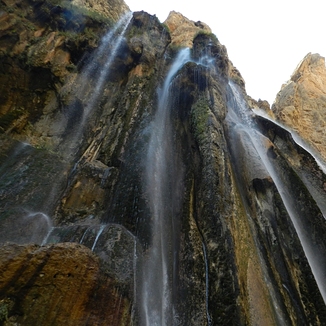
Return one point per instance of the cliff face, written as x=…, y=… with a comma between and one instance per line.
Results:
x=301, y=103
x=137, y=184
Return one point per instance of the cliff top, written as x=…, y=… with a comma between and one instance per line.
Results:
x=184, y=30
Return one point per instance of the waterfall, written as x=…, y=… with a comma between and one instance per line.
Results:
x=97, y=236
x=97, y=70
x=298, y=140
x=310, y=151
x=46, y=238
x=34, y=216
x=104, y=70
x=158, y=267
x=313, y=250
x=105, y=53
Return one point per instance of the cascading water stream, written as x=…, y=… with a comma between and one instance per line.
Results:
x=97, y=70
x=319, y=161
x=46, y=238
x=100, y=74
x=97, y=236
x=158, y=267
x=315, y=257
x=84, y=235
x=105, y=69
x=209, y=320
x=299, y=141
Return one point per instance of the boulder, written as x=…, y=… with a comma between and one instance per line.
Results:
x=75, y=290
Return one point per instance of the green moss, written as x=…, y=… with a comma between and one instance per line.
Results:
x=204, y=36
x=166, y=27
x=134, y=31
x=199, y=117
x=71, y=68
x=174, y=49
x=4, y=309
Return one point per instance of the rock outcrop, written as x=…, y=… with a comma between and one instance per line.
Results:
x=183, y=30
x=62, y=284
x=112, y=9
x=41, y=45
x=301, y=103
x=129, y=162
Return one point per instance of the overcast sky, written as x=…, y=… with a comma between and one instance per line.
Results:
x=265, y=40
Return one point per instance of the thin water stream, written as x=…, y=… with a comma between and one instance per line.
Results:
x=99, y=232
x=106, y=52
x=299, y=141
x=97, y=72
x=158, y=268
x=315, y=255
x=104, y=71
x=315, y=192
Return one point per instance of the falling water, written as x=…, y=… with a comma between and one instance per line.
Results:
x=39, y=224
x=104, y=70
x=158, y=268
x=315, y=192
x=209, y=320
x=315, y=257
x=105, y=53
x=97, y=236
x=83, y=236
x=97, y=70
x=46, y=238
x=299, y=141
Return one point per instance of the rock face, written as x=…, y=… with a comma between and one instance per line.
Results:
x=58, y=284
x=111, y=9
x=301, y=103
x=183, y=31
x=138, y=186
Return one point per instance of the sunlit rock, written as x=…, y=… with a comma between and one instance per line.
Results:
x=301, y=103
x=183, y=30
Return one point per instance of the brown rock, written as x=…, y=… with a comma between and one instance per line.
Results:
x=112, y=9
x=183, y=30
x=50, y=51
x=235, y=75
x=301, y=102
x=264, y=105
x=74, y=290
x=261, y=105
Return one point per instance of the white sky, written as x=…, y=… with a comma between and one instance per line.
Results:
x=265, y=40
